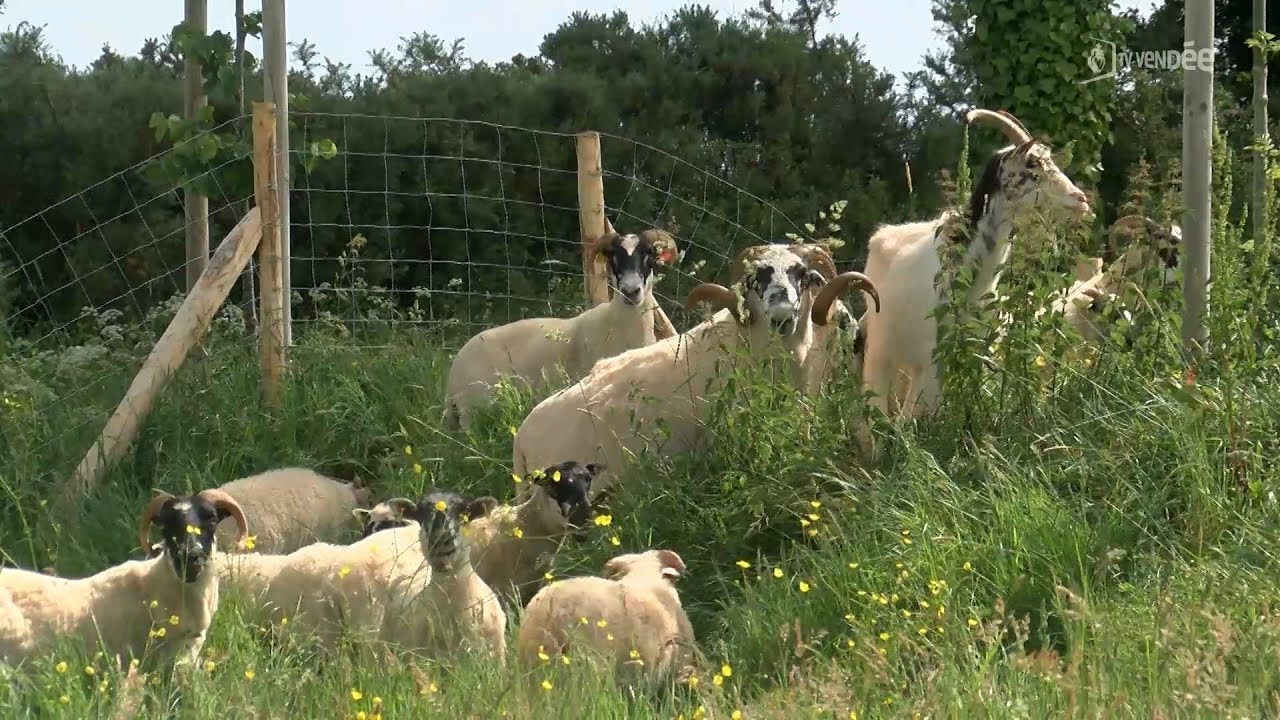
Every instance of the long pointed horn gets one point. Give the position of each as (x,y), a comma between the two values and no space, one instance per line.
(817,258)
(1016,121)
(228,504)
(1012,129)
(718,297)
(833,289)
(149,514)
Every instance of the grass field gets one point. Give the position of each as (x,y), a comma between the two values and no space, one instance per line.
(1102,544)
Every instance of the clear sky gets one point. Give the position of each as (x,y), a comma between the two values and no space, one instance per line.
(894,33)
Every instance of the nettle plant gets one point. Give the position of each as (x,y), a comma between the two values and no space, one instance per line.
(210,156)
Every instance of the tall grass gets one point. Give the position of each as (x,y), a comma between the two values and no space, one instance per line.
(1063,539)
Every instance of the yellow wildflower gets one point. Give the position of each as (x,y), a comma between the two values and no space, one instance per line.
(61,666)
(966,567)
(516,532)
(815,504)
(725,670)
(546,685)
(430,689)
(64,699)
(542,654)
(804,586)
(777,572)
(356,695)
(693,681)
(972,622)
(408,449)
(744,564)
(248,674)
(173,620)
(603,520)
(250,542)
(717,680)
(343,572)
(736,715)
(417,468)
(556,476)
(516,477)
(440,506)
(209,665)
(601,623)
(512,430)
(614,541)
(88,670)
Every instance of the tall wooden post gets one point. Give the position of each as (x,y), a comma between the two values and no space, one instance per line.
(271,345)
(195,205)
(276,78)
(1260,130)
(591,214)
(1197,171)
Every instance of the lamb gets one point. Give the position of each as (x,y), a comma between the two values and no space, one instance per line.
(412,586)
(1082,304)
(632,614)
(626,398)
(532,349)
(292,507)
(511,546)
(904,260)
(156,610)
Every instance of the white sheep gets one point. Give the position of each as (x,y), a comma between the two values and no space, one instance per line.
(412,586)
(632,616)
(534,350)
(292,507)
(904,260)
(156,610)
(622,403)
(512,545)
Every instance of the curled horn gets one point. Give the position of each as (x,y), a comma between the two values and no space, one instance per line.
(663,242)
(595,247)
(1010,127)
(832,290)
(1131,222)
(718,297)
(747,257)
(817,258)
(228,504)
(149,514)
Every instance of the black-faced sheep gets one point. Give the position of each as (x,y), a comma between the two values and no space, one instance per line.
(619,406)
(411,586)
(512,545)
(533,350)
(156,610)
(631,615)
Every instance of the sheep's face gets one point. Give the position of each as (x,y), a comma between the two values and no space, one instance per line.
(666,564)
(442,514)
(1158,251)
(1030,179)
(632,259)
(187,526)
(776,285)
(383,516)
(568,484)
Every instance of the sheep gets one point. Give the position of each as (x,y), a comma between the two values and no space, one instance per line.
(532,349)
(386,586)
(632,613)
(156,610)
(384,516)
(1083,303)
(625,398)
(511,545)
(904,260)
(292,507)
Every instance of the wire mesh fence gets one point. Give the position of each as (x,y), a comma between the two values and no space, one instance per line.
(437,227)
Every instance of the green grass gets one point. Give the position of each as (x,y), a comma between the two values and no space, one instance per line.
(1086,547)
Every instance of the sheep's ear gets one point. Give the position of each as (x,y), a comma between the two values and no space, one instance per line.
(481,507)
(672,566)
(360,513)
(613,568)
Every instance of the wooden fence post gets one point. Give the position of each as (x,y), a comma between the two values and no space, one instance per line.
(188,326)
(195,205)
(594,223)
(270,281)
(591,217)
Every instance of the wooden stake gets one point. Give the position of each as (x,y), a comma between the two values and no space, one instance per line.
(270,280)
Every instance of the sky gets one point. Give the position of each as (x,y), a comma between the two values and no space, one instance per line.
(895,34)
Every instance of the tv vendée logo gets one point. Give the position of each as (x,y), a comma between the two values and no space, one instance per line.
(1106,61)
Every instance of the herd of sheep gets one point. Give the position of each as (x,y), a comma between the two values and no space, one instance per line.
(439,575)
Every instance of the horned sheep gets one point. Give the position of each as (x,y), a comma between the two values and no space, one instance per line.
(532,349)
(413,586)
(613,410)
(156,610)
(903,261)
(631,614)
